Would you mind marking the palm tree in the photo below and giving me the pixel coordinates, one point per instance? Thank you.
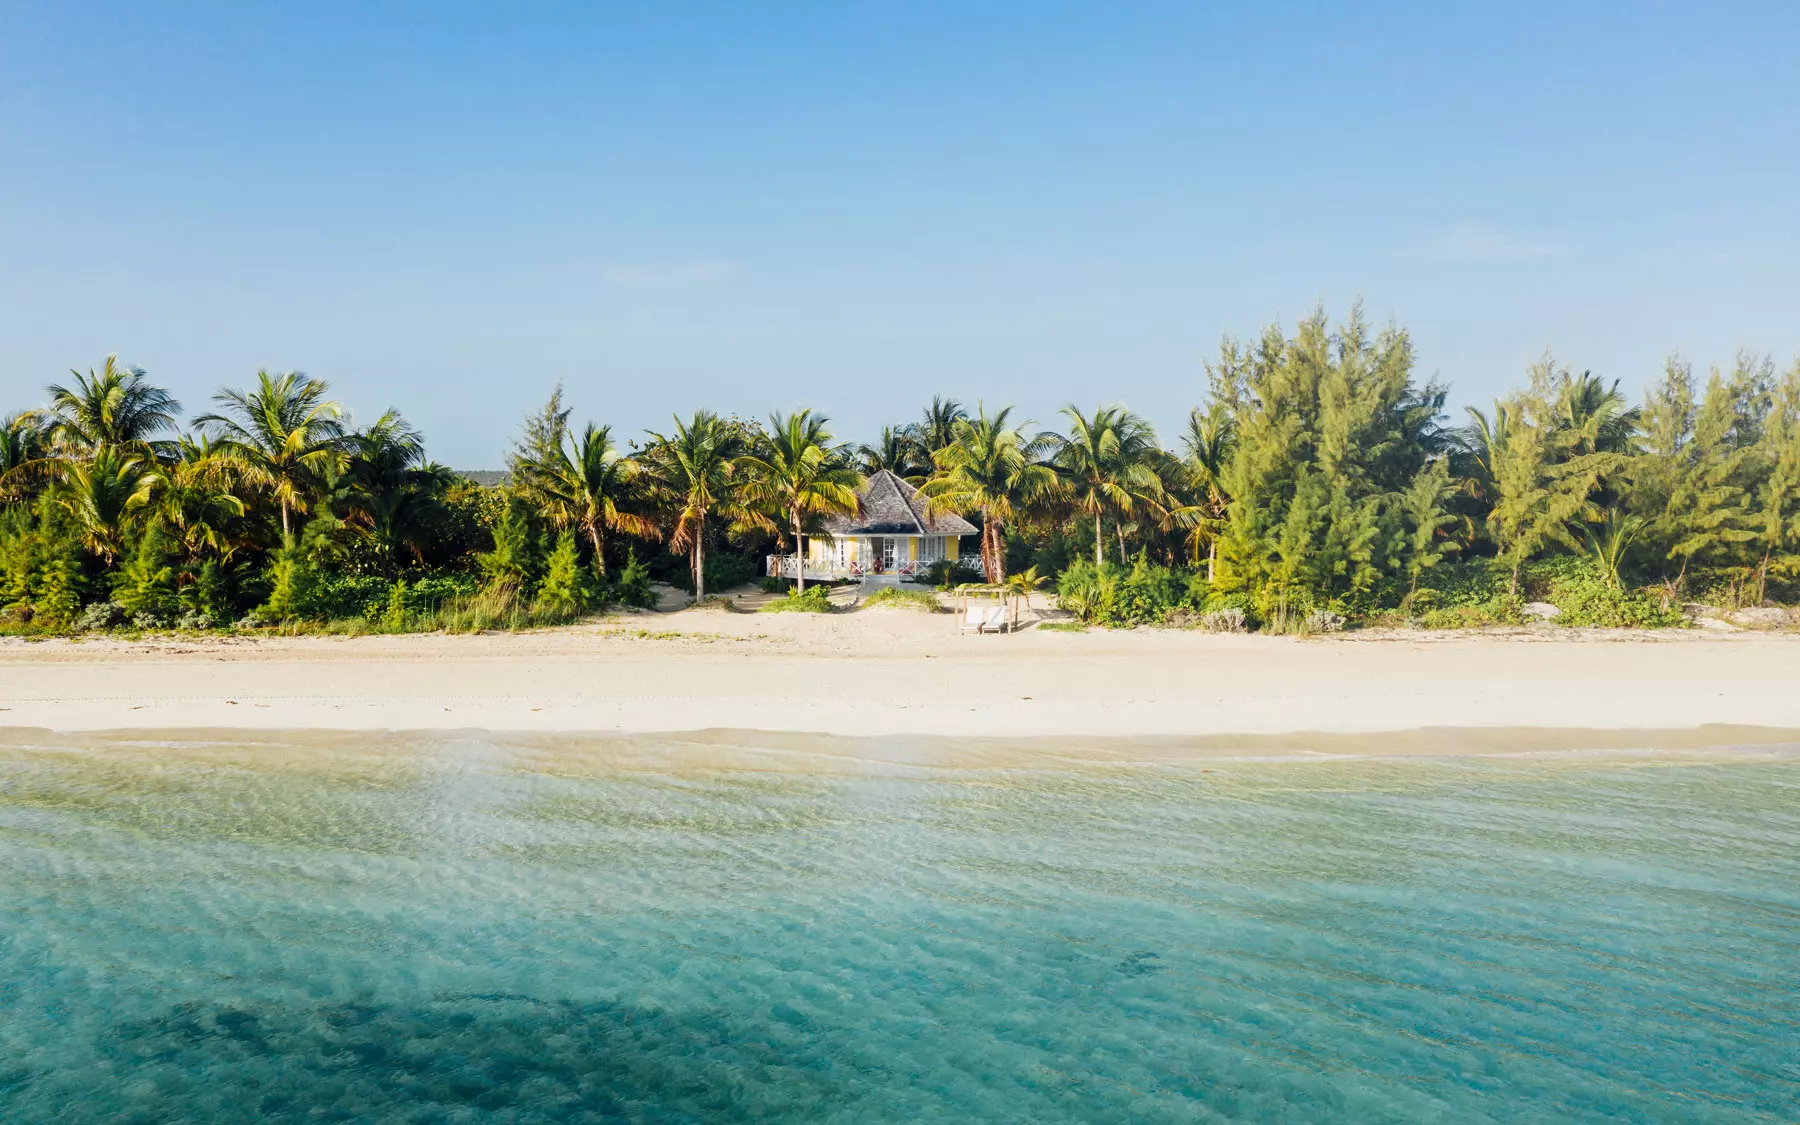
(1210, 440)
(994, 469)
(24, 455)
(937, 428)
(1026, 583)
(1610, 537)
(193, 499)
(796, 472)
(103, 494)
(1109, 462)
(897, 451)
(581, 483)
(116, 406)
(285, 435)
(696, 472)
(389, 490)
(1598, 418)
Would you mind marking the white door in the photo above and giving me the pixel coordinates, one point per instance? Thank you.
(890, 551)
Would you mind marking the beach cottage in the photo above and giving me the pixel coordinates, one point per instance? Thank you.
(892, 536)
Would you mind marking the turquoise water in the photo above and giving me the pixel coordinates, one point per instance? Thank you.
(467, 928)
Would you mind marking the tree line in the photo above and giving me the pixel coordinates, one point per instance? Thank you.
(1319, 479)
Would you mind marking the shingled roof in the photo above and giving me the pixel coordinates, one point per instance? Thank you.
(890, 506)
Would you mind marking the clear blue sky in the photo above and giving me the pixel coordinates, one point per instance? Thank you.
(448, 208)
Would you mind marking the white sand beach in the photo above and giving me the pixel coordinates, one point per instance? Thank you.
(882, 672)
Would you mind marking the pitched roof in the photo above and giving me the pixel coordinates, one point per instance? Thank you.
(890, 506)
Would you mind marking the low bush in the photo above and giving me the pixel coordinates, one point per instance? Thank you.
(1143, 594)
(903, 599)
(1229, 619)
(943, 574)
(632, 585)
(1323, 621)
(814, 600)
(1470, 594)
(1584, 595)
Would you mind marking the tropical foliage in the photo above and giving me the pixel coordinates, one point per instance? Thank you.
(1318, 482)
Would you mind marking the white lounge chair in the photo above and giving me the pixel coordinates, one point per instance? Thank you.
(984, 619)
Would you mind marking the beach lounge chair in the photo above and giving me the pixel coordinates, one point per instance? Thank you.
(984, 619)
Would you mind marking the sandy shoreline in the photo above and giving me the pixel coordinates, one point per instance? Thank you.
(900, 673)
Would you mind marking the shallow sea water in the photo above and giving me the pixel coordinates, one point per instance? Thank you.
(471, 927)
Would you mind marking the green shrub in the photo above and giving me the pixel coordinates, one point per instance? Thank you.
(1147, 593)
(632, 586)
(336, 595)
(814, 600)
(1586, 597)
(1468, 594)
(943, 574)
(895, 597)
(393, 614)
(1109, 594)
(1088, 591)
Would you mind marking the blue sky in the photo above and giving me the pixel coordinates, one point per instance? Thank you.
(448, 208)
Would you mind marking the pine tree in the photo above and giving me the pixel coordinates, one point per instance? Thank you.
(515, 550)
(18, 558)
(1328, 427)
(1424, 507)
(58, 582)
(145, 586)
(293, 581)
(206, 596)
(565, 591)
(632, 587)
(1777, 511)
(393, 615)
(1710, 511)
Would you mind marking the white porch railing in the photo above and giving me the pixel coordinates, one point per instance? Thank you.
(787, 566)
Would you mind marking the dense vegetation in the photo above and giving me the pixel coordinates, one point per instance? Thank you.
(1320, 482)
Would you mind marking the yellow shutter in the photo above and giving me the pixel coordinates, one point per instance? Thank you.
(951, 547)
(912, 548)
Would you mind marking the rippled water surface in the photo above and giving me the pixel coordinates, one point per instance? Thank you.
(468, 928)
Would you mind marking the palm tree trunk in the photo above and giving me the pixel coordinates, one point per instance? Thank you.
(285, 531)
(1099, 541)
(599, 549)
(1212, 554)
(799, 556)
(700, 563)
(1120, 528)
